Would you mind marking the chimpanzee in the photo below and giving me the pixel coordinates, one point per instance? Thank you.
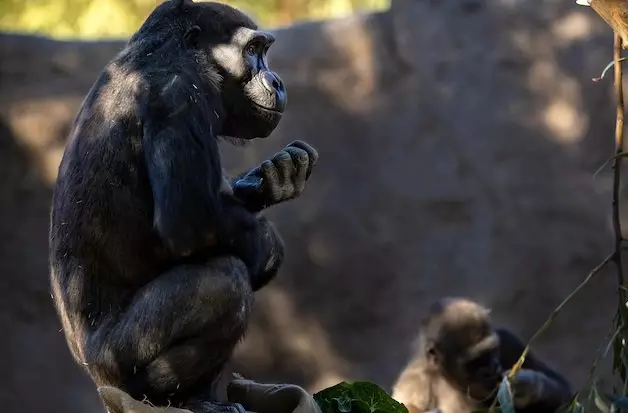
(460, 362)
(154, 255)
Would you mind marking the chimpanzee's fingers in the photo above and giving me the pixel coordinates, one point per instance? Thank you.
(300, 160)
(283, 164)
(312, 154)
(271, 181)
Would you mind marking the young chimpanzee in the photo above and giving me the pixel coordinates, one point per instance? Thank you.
(154, 256)
(460, 362)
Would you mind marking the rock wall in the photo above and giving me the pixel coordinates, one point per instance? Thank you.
(458, 141)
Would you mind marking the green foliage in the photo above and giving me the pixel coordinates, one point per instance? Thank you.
(573, 407)
(357, 397)
(120, 18)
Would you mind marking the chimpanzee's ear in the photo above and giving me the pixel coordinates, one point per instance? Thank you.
(433, 356)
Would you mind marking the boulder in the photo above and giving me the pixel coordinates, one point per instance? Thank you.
(458, 141)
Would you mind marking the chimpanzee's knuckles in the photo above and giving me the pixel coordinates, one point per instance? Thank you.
(300, 158)
(312, 153)
(297, 143)
(282, 157)
(298, 176)
(268, 171)
(284, 164)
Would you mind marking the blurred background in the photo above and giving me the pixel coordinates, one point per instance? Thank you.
(458, 143)
(93, 18)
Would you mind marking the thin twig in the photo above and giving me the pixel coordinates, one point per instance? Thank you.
(601, 354)
(550, 319)
(555, 313)
(606, 69)
(619, 145)
(606, 162)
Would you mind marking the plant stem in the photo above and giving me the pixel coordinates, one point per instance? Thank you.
(619, 144)
(557, 310)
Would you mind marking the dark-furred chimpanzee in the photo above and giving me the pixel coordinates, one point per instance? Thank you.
(154, 255)
(460, 362)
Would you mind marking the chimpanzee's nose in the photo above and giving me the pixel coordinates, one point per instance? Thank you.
(272, 82)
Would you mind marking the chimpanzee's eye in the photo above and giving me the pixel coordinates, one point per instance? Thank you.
(252, 48)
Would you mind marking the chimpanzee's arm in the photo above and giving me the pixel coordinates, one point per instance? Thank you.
(542, 389)
(272, 254)
(187, 204)
(191, 211)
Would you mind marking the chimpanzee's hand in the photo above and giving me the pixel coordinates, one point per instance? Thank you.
(278, 179)
(526, 387)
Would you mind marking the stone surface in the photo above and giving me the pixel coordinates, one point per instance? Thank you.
(458, 141)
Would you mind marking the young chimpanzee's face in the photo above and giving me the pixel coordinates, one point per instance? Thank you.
(474, 364)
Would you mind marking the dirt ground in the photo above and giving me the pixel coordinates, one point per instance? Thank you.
(457, 148)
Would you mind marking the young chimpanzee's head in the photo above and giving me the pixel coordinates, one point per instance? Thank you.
(231, 51)
(461, 345)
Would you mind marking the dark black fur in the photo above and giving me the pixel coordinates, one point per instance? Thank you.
(460, 361)
(556, 389)
(154, 256)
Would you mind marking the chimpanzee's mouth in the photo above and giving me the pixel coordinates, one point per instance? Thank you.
(267, 109)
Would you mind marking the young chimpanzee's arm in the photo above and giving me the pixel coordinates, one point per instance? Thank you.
(537, 387)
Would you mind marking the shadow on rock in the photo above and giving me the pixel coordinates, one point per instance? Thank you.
(457, 144)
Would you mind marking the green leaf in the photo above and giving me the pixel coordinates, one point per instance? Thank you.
(576, 407)
(357, 397)
(618, 364)
(599, 402)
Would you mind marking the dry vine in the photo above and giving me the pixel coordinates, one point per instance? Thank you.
(619, 145)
